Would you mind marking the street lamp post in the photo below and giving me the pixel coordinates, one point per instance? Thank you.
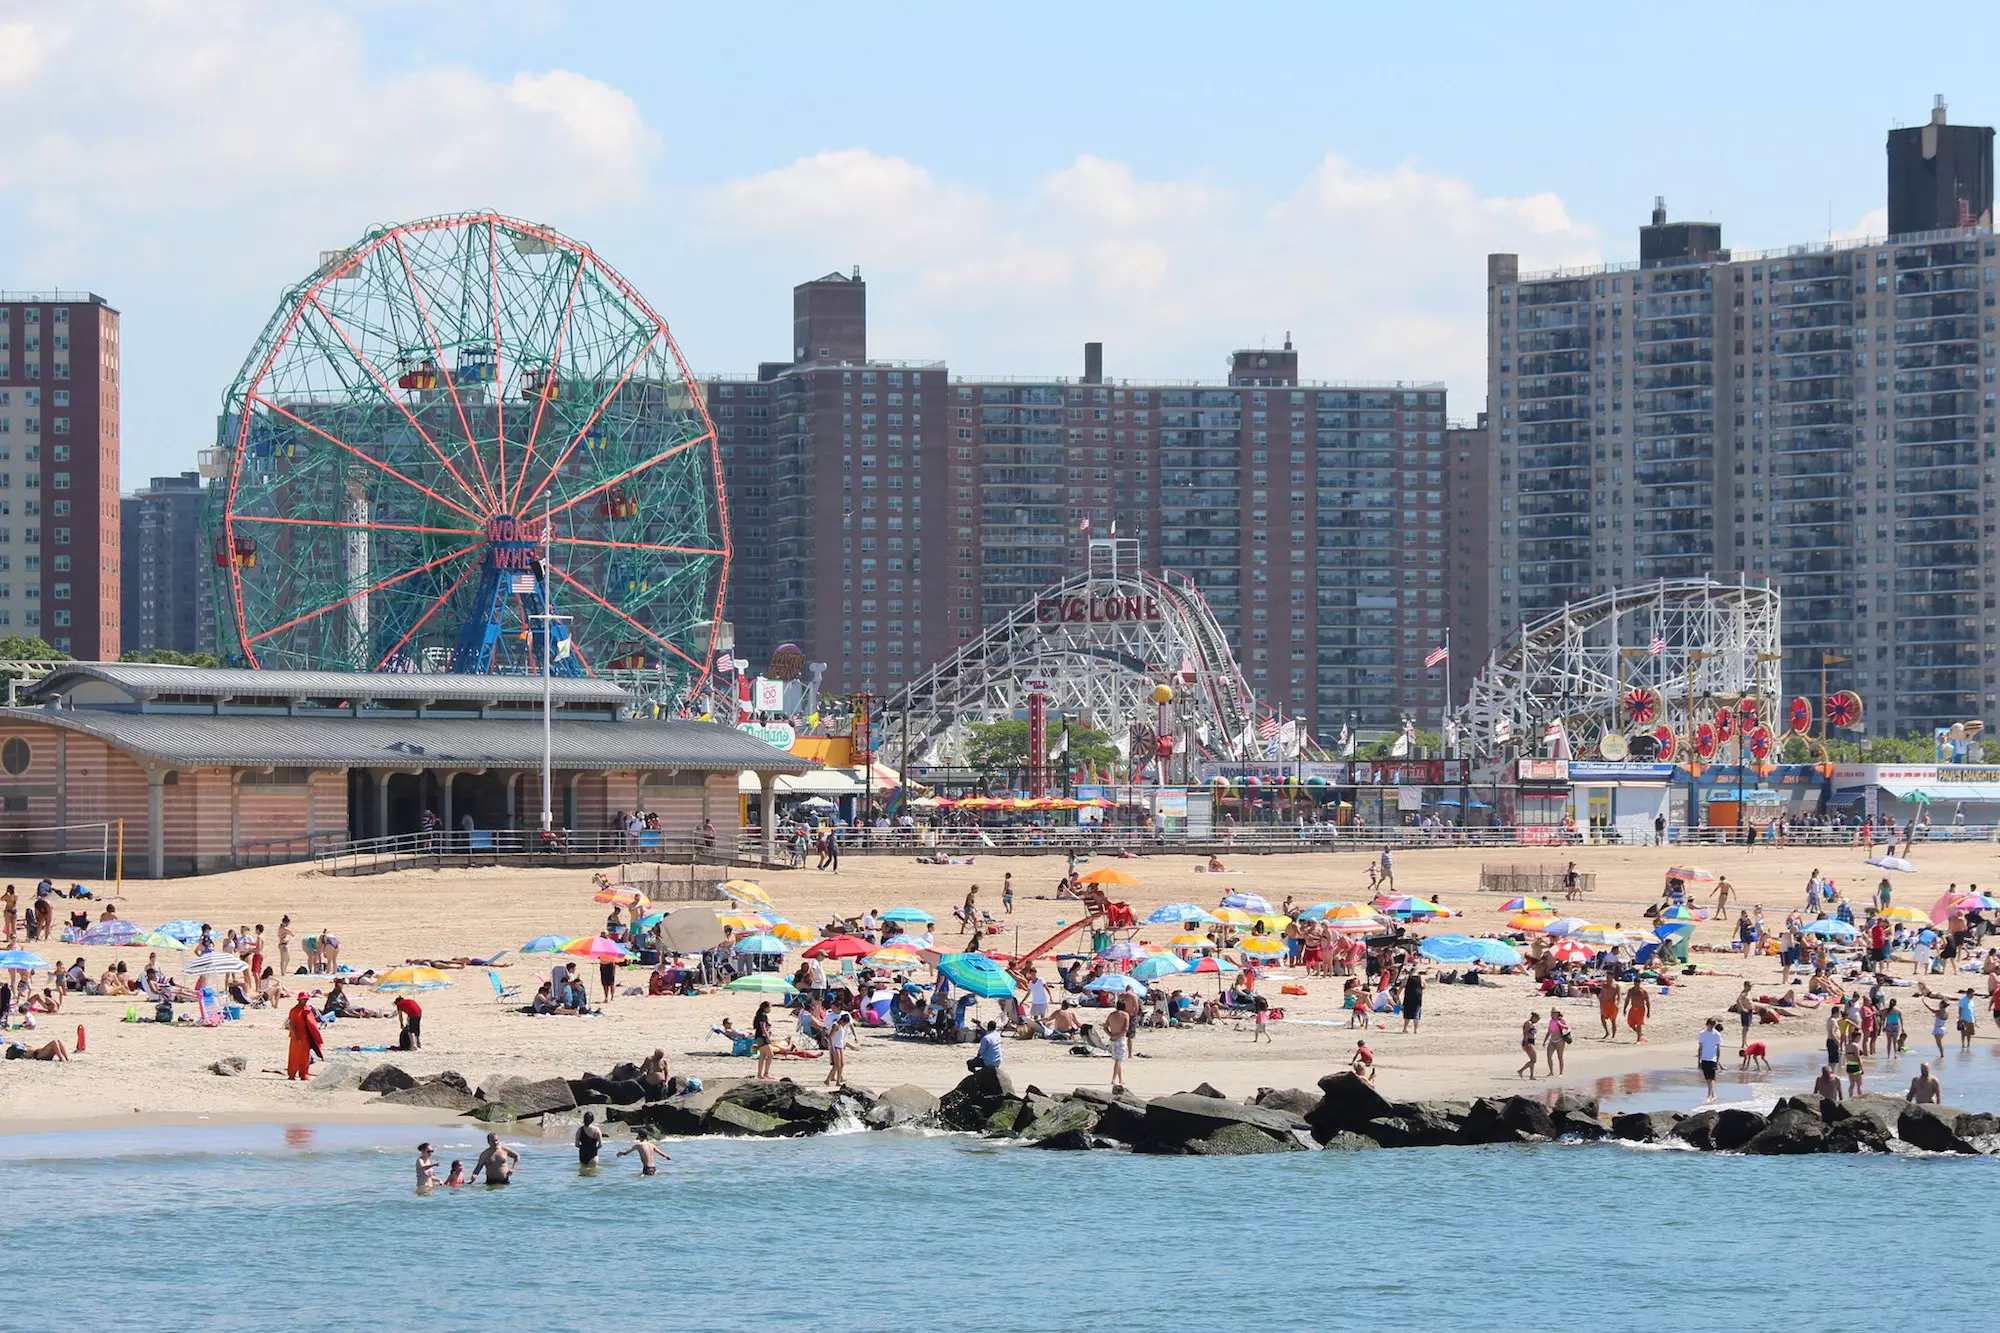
(548, 620)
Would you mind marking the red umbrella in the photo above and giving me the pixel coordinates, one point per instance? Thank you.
(841, 946)
(1572, 951)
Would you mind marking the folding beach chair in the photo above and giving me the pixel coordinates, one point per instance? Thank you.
(501, 991)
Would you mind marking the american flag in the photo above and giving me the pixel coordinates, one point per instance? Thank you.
(1438, 654)
(1267, 728)
(521, 583)
(1658, 646)
(726, 663)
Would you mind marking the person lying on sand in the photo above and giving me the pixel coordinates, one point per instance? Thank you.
(48, 1051)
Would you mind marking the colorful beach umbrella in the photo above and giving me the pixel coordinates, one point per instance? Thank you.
(1683, 913)
(1691, 874)
(1190, 940)
(1901, 913)
(1831, 928)
(597, 946)
(214, 964)
(743, 891)
(1605, 937)
(1125, 951)
(1262, 946)
(1159, 965)
(1254, 903)
(1448, 949)
(1234, 916)
(1565, 925)
(410, 980)
(908, 914)
(840, 946)
(1498, 953)
(746, 921)
(1525, 904)
(1891, 863)
(161, 940)
(1572, 951)
(22, 960)
(1174, 914)
(892, 960)
(1211, 965)
(1108, 875)
(762, 945)
(546, 944)
(187, 930)
(1319, 910)
(792, 934)
(1406, 905)
(976, 973)
(113, 931)
(763, 983)
(624, 895)
(1529, 921)
(1117, 982)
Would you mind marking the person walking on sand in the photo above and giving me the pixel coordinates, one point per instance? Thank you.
(306, 1045)
(1968, 1019)
(1708, 1054)
(1723, 890)
(1528, 1046)
(1607, 1008)
(761, 1040)
(1413, 1003)
(1553, 1046)
(1118, 1030)
(836, 1040)
(1638, 1007)
(284, 946)
(1007, 893)
(1745, 1010)
(642, 1143)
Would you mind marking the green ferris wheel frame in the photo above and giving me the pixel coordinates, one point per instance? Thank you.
(454, 427)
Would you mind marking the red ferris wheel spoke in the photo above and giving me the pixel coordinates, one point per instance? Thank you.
(355, 597)
(626, 475)
(450, 379)
(541, 399)
(372, 462)
(366, 527)
(375, 373)
(428, 613)
(622, 616)
(595, 413)
(637, 546)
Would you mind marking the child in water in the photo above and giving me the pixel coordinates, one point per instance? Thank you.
(456, 1180)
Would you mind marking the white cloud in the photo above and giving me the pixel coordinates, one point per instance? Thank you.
(1375, 274)
(271, 114)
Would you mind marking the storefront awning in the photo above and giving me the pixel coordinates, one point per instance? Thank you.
(1944, 793)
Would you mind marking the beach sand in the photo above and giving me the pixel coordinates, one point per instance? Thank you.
(1468, 1044)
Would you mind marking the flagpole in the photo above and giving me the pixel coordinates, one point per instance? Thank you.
(1444, 714)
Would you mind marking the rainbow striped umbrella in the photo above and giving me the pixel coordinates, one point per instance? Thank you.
(743, 891)
(1525, 904)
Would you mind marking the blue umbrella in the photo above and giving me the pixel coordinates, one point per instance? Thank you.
(651, 919)
(545, 944)
(1117, 981)
(1254, 903)
(760, 944)
(977, 973)
(1175, 913)
(22, 959)
(1449, 949)
(908, 914)
(1833, 929)
(187, 930)
(1890, 863)
(112, 932)
(1159, 965)
(1497, 952)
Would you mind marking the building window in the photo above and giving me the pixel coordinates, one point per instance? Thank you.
(15, 756)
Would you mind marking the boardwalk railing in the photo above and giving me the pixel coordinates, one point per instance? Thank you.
(478, 847)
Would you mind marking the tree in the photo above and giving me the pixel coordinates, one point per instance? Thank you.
(1428, 742)
(20, 648)
(999, 746)
(1917, 749)
(168, 657)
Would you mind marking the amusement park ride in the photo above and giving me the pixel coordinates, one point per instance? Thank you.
(447, 430)
(1681, 670)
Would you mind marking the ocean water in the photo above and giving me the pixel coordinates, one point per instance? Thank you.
(256, 1228)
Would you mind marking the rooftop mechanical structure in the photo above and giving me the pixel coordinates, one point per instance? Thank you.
(456, 439)
(1095, 645)
(1657, 671)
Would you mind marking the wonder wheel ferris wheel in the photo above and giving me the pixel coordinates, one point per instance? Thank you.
(456, 437)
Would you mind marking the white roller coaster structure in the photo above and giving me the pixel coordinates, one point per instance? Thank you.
(1594, 666)
(1098, 643)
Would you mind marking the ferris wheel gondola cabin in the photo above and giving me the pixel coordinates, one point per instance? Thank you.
(455, 431)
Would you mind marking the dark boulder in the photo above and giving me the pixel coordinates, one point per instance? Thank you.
(1243, 1140)
(1292, 1101)
(1208, 1090)
(1697, 1130)
(1123, 1121)
(592, 1090)
(450, 1078)
(976, 1098)
(1883, 1111)
(1571, 1102)
(1644, 1126)
(1070, 1140)
(1791, 1131)
(1348, 1142)
(1735, 1126)
(1856, 1134)
(1395, 1131)
(229, 1066)
(904, 1104)
(734, 1118)
(1810, 1106)
(675, 1118)
(1347, 1102)
(1178, 1121)
(1513, 1120)
(436, 1094)
(1933, 1129)
(386, 1078)
(1061, 1119)
(1577, 1125)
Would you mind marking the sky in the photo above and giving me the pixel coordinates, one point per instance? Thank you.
(1174, 180)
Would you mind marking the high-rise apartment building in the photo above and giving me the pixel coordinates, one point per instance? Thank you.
(59, 512)
(1469, 568)
(164, 578)
(1821, 414)
(886, 511)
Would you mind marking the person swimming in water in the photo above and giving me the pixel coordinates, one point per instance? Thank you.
(643, 1145)
(456, 1180)
(427, 1173)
